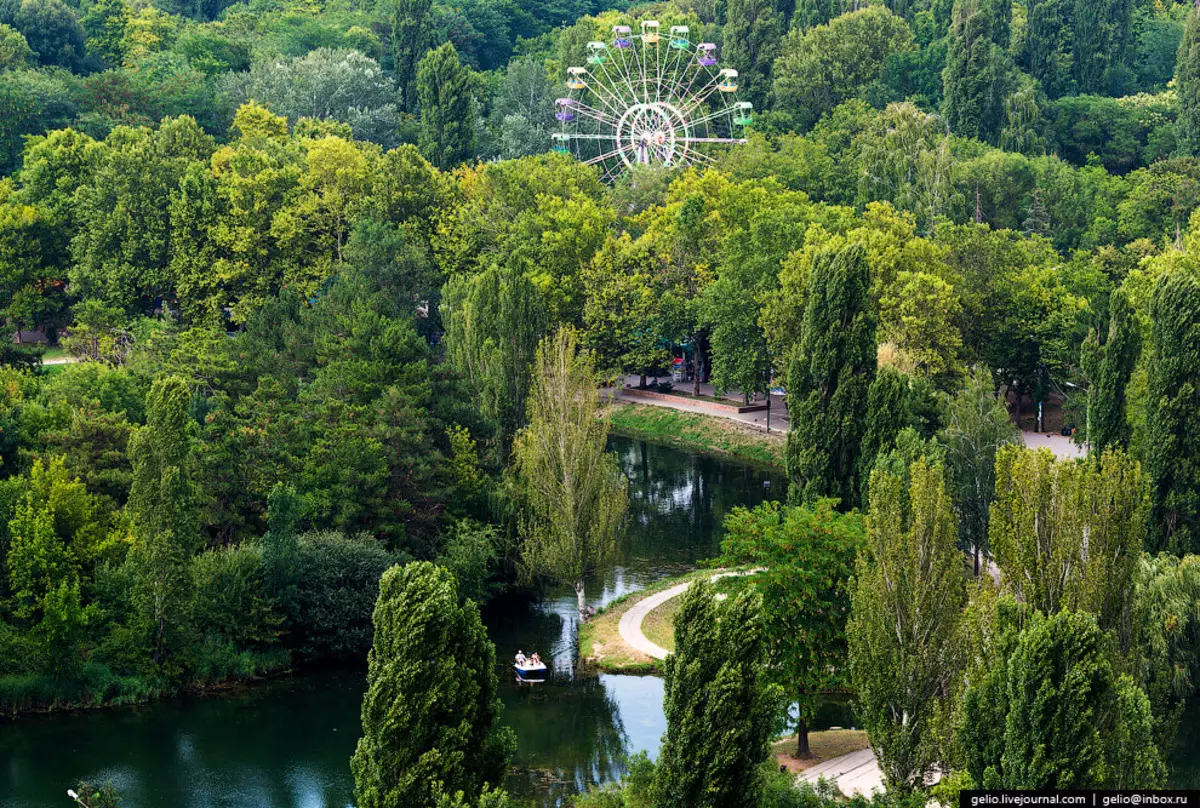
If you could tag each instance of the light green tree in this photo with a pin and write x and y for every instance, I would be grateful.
(430, 712)
(575, 494)
(976, 426)
(906, 604)
(807, 559)
(1068, 535)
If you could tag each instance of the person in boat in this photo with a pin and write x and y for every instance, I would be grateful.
(537, 660)
(520, 657)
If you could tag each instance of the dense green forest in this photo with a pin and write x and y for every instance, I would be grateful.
(327, 286)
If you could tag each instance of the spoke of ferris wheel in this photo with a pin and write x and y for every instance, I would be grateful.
(592, 112)
(611, 172)
(614, 153)
(696, 70)
(614, 85)
(675, 69)
(701, 156)
(711, 116)
(626, 56)
(700, 97)
(647, 78)
(658, 73)
(607, 99)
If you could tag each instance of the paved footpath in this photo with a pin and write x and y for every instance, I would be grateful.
(630, 626)
(855, 773)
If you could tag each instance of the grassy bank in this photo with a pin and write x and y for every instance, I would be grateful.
(824, 746)
(708, 434)
(600, 643)
(659, 625)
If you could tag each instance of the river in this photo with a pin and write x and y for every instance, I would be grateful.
(287, 743)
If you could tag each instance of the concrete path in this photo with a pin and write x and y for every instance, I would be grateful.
(630, 626)
(758, 420)
(854, 774)
(1061, 445)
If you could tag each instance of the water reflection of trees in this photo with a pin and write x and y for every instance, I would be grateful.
(570, 737)
(678, 500)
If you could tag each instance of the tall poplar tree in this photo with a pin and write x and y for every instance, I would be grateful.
(446, 89)
(751, 36)
(906, 603)
(1173, 414)
(1108, 366)
(977, 425)
(410, 42)
(719, 704)
(1187, 83)
(829, 380)
(164, 507)
(976, 72)
(431, 708)
(575, 494)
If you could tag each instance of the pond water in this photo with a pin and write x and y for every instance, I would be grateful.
(287, 743)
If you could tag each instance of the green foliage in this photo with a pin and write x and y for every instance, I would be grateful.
(338, 582)
(821, 67)
(14, 49)
(829, 380)
(446, 90)
(806, 557)
(906, 605)
(430, 711)
(166, 521)
(1071, 723)
(494, 322)
(1109, 367)
(976, 74)
(976, 427)
(751, 37)
(719, 705)
(1173, 403)
(574, 494)
(1068, 535)
(1187, 82)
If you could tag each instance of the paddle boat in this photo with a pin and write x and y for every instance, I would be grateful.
(528, 669)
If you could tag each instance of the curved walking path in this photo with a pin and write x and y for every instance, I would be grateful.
(630, 626)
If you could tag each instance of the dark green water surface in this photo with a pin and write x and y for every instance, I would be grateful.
(287, 743)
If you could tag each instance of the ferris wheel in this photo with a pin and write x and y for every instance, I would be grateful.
(650, 100)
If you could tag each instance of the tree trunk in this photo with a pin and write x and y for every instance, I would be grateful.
(802, 750)
(643, 384)
(580, 602)
(1017, 413)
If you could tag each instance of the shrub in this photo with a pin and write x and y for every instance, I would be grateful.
(338, 579)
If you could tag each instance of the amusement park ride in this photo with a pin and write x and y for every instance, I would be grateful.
(649, 99)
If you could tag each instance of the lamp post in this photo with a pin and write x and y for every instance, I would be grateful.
(71, 793)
